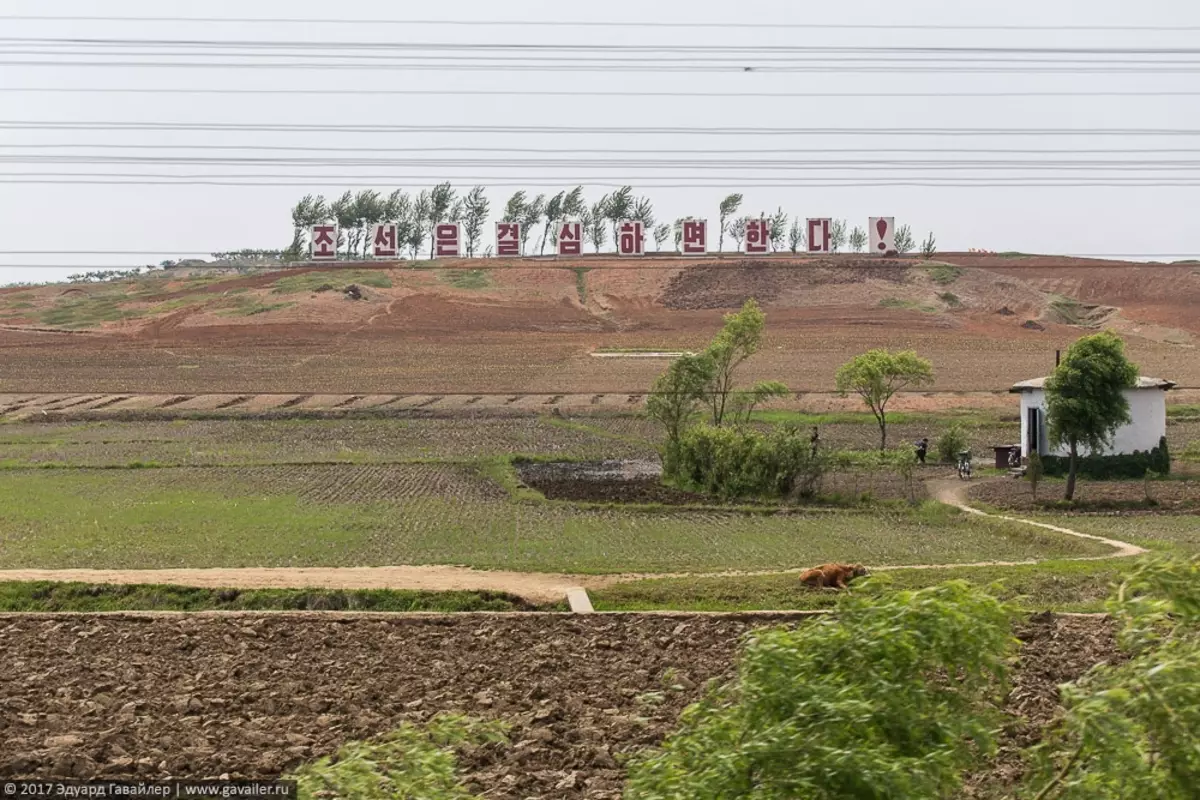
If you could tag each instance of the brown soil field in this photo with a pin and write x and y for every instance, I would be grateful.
(253, 695)
(530, 326)
(1177, 496)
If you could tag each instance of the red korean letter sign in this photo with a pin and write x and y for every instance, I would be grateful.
(324, 242)
(383, 240)
(630, 238)
(570, 239)
(446, 237)
(818, 235)
(758, 236)
(508, 238)
(694, 241)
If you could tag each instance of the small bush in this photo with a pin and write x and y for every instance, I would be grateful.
(1110, 467)
(951, 443)
(741, 463)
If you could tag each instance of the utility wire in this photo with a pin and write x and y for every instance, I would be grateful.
(597, 23)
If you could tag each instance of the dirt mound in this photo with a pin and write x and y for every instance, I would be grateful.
(154, 697)
(703, 287)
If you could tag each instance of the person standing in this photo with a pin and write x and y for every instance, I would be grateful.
(815, 441)
(922, 450)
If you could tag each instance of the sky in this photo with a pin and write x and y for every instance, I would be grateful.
(185, 220)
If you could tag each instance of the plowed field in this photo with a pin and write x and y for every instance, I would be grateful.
(252, 696)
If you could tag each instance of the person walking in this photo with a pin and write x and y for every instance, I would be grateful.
(922, 450)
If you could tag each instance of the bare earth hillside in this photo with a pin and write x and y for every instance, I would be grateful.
(534, 325)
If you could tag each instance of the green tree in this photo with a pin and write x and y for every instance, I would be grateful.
(737, 230)
(929, 247)
(858, 239)
(877, 375)
(837, 235)
(551, 213)
(593, 220)
(904, 240)
(618, 206)
(368, 210)
(661, 234)
(675, 401)
(573, 208)
(474, 217)
(795, 236)
(514, 209)
(311, 210)
(530, 216)
(441, 200)
(729, 207)
(778, 229)
(846, 707)
(1131, 729)
(739, 339)
(342, 212)
(419, 215)
(1085, 398)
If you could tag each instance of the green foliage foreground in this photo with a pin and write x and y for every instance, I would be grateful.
(888, 699)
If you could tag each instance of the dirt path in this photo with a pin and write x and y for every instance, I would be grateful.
(537, 587)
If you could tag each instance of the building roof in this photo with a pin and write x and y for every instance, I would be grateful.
(1142, 383)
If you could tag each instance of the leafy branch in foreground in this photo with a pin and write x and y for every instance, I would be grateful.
(887, 698)
(409, 762)
(1133, 730)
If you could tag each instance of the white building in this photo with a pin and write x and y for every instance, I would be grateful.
(1147, 409)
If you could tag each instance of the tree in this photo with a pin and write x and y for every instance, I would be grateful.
(552, 213)
(877, 375)
(643, 212)
(929, 247)
(342, 211)
(592, 221)
(1085, 398)
(474, 217)
(739, 339)
(778, 229)
(795, 236)
(675, 400)
(891, 696)
(729, 207)
(573, 207)
(837, 235)
(311, 210)
(737, 230)
(904, 239)
(441, 200)
(367, 211)
(858, 239)
(419, 215)
(531, 215)
(677, 233)
(514, 209)
(661, 234)
(618, 206)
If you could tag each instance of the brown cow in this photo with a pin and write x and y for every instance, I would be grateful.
(832, 576)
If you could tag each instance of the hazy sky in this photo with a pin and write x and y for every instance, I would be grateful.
(182, 220)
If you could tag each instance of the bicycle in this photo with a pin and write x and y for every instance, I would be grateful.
(964, 465)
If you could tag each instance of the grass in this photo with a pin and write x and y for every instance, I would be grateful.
(581, 283)
(912, 305)
(311, 281)
(45, 596)
(1013, 254)
(1178, 533)
(665, 349)
(88, 311)
(108, 519)
(1183, 411)
(1080, 586)
(1191, 453)
(249, 307)
(963, 416)
(944, 274)
(950, 299)
(467, 278)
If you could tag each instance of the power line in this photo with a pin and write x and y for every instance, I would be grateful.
(577, 93)
(651, 255)
(602, 151)
(597, 23)
(561, 130)
(847, 183)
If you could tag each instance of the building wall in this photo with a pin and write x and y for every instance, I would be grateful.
(1147, 407)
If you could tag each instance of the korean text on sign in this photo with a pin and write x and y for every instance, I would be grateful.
(758, 236)
(324, 242)
(818, 235)
(631, 239)
(694, 239)
(570, 239)
(508, 238)
(446, 240)
(384, 243)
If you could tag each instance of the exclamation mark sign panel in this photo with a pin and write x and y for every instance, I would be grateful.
(881, 225)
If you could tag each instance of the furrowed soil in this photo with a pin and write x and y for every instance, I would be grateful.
(253, 696)
(531, 327)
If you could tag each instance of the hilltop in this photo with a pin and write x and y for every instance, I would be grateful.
(532, 324)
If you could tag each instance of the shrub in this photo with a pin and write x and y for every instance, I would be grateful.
(741, 463)
(845, 707)
(951, 443)
(1131, 730)
(1109, 467)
